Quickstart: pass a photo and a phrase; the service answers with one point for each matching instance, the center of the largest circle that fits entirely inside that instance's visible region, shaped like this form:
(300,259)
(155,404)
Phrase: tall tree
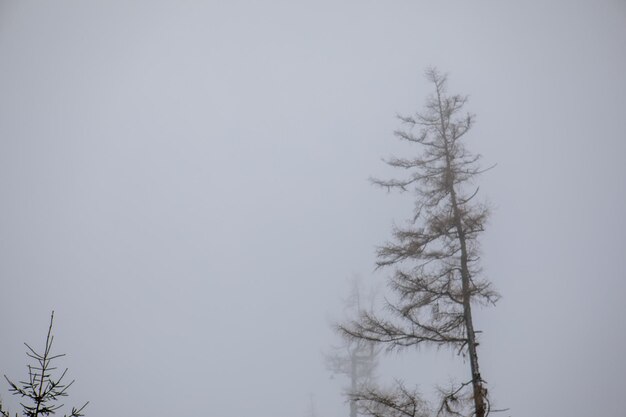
(436,280)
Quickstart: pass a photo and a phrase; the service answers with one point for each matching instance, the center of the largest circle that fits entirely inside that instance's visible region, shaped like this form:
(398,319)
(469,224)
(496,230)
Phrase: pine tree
(42,389)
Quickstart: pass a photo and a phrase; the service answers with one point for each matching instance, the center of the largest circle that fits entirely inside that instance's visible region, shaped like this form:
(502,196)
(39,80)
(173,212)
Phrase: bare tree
(355,358)
(436,255)
(42,389)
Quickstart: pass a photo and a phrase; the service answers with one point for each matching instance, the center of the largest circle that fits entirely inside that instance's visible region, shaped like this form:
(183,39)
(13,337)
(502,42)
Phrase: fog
(185,184)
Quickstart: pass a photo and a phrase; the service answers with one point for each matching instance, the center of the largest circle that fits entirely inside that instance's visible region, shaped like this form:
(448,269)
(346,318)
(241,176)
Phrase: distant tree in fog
(435,256)
(355,358)
(312,410)
(42,389)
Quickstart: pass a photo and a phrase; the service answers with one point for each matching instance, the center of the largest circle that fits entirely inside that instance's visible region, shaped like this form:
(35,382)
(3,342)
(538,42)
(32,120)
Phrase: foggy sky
(185,184)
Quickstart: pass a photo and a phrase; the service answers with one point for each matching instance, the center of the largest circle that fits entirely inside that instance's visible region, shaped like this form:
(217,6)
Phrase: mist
(186,185)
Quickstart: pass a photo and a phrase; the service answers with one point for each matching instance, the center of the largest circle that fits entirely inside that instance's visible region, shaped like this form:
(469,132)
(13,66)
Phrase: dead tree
(436,255)
(42,389)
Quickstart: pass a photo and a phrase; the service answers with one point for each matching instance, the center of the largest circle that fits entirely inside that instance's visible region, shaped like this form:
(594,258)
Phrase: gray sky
(185,183)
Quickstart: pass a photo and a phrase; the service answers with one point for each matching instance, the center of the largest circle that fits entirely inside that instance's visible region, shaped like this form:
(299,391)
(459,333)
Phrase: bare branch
(396,402)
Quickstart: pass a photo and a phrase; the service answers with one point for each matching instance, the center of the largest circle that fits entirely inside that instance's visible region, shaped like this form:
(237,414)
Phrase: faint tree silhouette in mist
(355,358)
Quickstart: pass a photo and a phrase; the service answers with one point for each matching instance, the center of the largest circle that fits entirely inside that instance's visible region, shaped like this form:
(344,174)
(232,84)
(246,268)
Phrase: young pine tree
(42,390)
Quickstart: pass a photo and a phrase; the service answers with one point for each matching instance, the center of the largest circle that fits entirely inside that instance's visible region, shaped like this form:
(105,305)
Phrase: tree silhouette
(436,278)
(42,389)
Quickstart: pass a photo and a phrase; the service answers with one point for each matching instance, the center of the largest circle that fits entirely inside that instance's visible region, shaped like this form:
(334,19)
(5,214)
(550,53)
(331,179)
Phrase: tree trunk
(353,377)
(477,382)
